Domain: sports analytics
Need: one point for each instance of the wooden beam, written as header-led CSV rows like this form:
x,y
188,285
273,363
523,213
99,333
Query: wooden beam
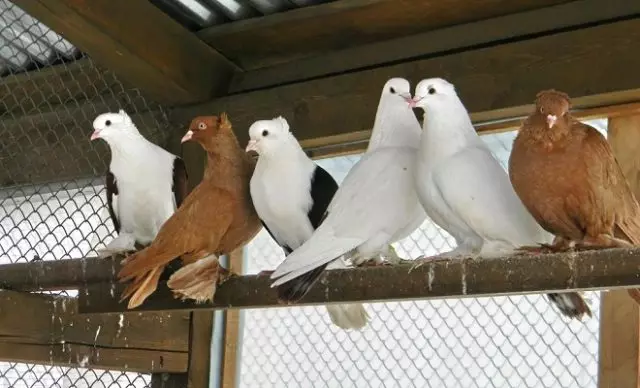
x,y
141,44
34,91
45,329
259,42
495,83
461,37
521,274
232,331
53,145
619,314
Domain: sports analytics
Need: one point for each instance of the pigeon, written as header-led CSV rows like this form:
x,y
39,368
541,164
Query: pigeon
x,y
464,189
376,205
144,183
216,218
568,178
291,195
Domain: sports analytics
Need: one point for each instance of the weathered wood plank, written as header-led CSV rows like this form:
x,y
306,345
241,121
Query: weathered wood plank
x,y
495,83
304,32
232,331
481,33
613,268
619,314
46,329
27,93
120,35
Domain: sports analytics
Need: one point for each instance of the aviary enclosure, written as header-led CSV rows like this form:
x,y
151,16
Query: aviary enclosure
x,y
320,64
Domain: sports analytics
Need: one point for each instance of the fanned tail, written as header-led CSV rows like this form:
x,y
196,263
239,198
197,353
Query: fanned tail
x,y
348,315
570,304
144,268
197,281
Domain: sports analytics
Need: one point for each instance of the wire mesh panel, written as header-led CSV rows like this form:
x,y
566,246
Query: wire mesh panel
x,y
52,202
515,341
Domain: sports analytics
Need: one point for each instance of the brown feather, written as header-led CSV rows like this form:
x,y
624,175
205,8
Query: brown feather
x,y
569,180
215,218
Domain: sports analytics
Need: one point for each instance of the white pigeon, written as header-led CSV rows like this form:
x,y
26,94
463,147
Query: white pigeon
x,y
291,194
145,184
465,190
376,204
462,186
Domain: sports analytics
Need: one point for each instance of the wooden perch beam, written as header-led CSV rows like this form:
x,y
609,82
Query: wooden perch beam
x,y
604,269
310,31
46,329
495,83
140,43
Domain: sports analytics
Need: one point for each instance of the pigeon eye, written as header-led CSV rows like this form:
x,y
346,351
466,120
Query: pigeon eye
x,y
202,125
392,90
265,133
107,123
432,91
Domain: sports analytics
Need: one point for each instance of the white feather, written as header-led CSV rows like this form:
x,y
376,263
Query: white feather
x,y
461,185
281,194
144,176
376,204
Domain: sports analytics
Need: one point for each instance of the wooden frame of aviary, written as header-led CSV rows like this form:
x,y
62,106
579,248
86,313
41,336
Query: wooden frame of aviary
x,y
498,54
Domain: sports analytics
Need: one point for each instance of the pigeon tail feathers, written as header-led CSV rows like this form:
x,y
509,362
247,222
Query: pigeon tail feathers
x,y
348,315
570,304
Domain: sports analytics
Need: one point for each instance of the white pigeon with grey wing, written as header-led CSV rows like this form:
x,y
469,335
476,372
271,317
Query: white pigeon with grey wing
x,y
144,183
462,186
291,194
376,203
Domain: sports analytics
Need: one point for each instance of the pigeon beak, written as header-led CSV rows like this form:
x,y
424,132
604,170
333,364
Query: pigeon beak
x,y
187,136
95,135
551,120
413,102
252,146
407,98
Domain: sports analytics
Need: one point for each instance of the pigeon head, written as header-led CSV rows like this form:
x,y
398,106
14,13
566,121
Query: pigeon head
x,y
203,129
432,92
265,136
552,105
113,126
396,89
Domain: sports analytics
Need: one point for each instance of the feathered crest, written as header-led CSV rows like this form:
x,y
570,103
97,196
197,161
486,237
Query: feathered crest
x,y
125,117
552,95
284,124
224,121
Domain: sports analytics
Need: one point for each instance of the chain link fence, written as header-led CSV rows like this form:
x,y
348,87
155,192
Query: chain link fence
x,y
514,341
52,202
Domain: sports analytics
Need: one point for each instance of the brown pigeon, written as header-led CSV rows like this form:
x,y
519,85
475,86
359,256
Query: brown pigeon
x,y
215,218
566,175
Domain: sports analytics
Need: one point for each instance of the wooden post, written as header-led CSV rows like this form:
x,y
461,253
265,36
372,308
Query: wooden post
x,y
619,314
232,332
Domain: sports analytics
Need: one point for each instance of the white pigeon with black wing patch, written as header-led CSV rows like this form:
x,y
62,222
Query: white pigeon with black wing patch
x,y
291,194
376,204
144,183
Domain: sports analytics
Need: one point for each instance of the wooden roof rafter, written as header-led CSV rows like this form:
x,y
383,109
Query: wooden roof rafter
x,y
141,44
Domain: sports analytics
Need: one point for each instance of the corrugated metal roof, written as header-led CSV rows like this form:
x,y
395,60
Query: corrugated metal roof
x,y
27,44
199,14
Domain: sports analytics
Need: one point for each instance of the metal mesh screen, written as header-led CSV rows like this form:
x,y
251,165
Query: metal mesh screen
x,y
52,204
516,341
